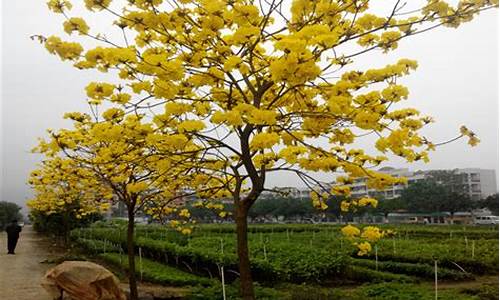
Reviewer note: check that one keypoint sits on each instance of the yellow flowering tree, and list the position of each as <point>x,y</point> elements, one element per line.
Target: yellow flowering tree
<point>258,88</point>
<point>129,161</point>
<point>61,187</point>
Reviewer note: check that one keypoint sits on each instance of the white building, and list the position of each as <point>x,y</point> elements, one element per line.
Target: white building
<point>479,183</point>
<point>359,188</point>
<point>287,192</point>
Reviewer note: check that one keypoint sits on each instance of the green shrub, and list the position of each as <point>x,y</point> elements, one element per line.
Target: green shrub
<point>97,246</point>
<point>214,292</point>
<point>158,273</point>
<point>363,274</point>
<point>483,292</point>
<point>413,269</point>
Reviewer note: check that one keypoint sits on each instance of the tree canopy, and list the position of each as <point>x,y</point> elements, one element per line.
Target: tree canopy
<point>491,203</point>
<point>8,212</point>
<point>431,196</point>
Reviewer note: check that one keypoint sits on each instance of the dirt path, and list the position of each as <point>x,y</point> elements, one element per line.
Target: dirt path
<point>20,274</point>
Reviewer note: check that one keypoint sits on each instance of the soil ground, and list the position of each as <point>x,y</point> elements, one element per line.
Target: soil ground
<point>20,274</point>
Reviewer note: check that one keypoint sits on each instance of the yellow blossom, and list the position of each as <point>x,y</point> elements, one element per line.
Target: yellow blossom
<point>137,187</point>
<point>58,6</point>
<point>65,50</point>
<point>184,213</point>
<point>367,201</point>
<point>372,233</point>
<point>99,91</point>
<point>186,231</point>
<point>364,248</point>
<point>76,24</point>
<point>264,140</point>
<point>350,231</point>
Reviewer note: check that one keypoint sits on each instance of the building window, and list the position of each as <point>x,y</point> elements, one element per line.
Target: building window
<point>475,177</point>
<point>476,188</point>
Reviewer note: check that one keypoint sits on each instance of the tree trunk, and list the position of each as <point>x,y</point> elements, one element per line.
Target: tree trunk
<point>131,256</point>
<point>246,282</point>
<point>65,227</point>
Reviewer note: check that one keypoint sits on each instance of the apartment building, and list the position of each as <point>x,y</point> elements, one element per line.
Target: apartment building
<point>359,188</point>
<point>288,192</point>
<point>477,183</point>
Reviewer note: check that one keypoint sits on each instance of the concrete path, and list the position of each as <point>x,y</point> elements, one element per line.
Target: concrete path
<point>20,274</point>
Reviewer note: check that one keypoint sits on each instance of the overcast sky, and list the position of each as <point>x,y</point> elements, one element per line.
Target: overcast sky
<point>456,83</point>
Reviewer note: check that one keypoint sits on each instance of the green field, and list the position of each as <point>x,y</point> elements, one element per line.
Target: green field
<point>310,261</point>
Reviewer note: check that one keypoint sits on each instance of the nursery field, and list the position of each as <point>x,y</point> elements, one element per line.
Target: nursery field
<point>309,261</point>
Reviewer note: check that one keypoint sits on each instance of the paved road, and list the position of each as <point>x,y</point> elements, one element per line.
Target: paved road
<point>20,274</point>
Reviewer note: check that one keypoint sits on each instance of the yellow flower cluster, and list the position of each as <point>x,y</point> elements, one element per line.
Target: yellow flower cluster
<point>294,68</point>
<point>232,62</point>
<point>184,213</point>
<point>76,24</point>
<point>372,233</point>
<point>350,231</point>
<point>65,50</point>
<point>232,118</point>
<point>99,90</point>
<point>115,114</point>
<point>380,181</point>
<point>363,239</point>
<point>58,6</point>
<point>137,187</point>
<point>319,201</point>
<point>97,4</point>
<point>473,139</point>
<point>264,140</point>
<point>364,248</point>
<point>190,126</point>
<point>367,201</point>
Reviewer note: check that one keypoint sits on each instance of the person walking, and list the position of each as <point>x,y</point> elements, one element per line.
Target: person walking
<point>13,230</point>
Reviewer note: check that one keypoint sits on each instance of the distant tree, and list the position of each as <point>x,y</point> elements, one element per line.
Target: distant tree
<point>453,202</point>
<point>265,207</point>
<point>491,203</point>
<point>387,206</point>
<point>453,181</point>
<point>423,196</point>
<point>210,212</point>
<point>433,196</point>
<point>8,212</point>
<point>282,206</point>
<point>60,223</point>
<point>334,206</point>
<point>456,197</point>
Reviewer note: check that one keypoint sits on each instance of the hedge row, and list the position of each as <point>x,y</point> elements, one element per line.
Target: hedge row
<point>202,288</point>
<point>270,261</point>
<point>363,274</point>
<point>156,272</point>
<point>420,270</point>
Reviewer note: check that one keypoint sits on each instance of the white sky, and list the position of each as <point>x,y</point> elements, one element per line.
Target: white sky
<point>456,83</point>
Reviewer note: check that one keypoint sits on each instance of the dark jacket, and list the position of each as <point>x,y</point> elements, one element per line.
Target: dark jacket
<point>13,231</point>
